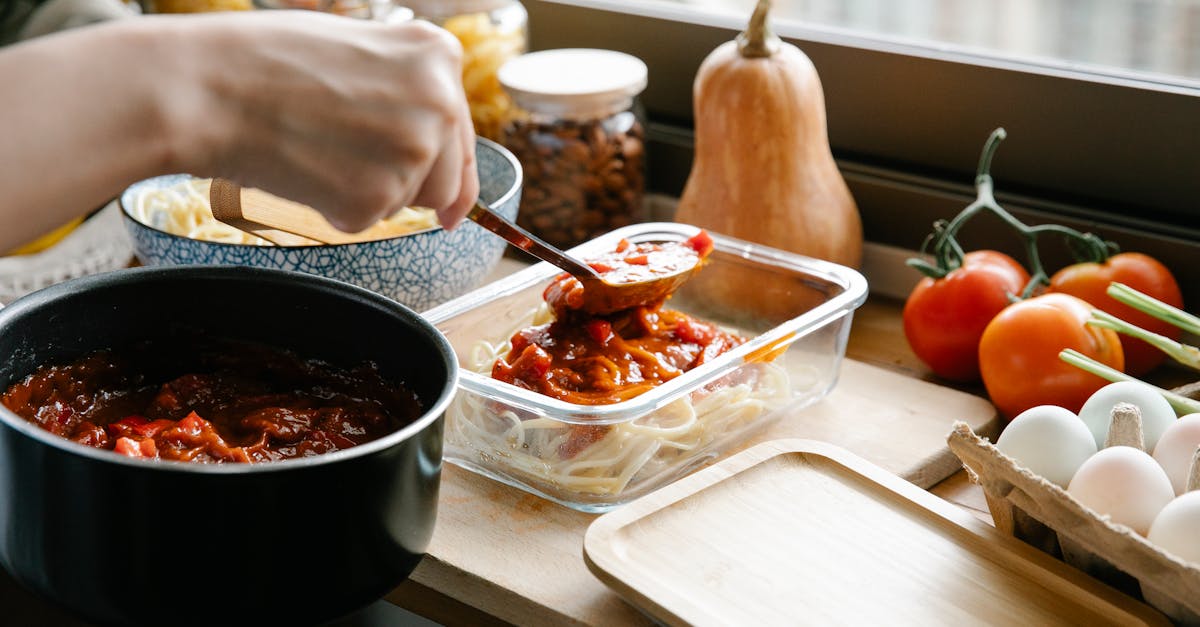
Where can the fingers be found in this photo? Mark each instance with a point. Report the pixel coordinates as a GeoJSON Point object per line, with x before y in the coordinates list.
{"type": "Point", "coordinates": [453, 183]}
{"type": "Point", "coordinates": [453, 214]}
{"type": "Point", "coordinates": [442, 183]}
{"type": "Point", "coordinates": [357, 122]}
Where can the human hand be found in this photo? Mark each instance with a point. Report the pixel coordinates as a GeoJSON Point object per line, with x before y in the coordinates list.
{"type": "Point", "coordinates": [356, 119]}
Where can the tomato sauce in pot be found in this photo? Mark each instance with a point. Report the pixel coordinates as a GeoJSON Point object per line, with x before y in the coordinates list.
{"type": "Point", "coordinates": [212, 401]}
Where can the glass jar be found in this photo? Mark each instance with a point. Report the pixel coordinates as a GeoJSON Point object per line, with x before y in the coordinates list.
{"type": "Point", "coordinates": [491, 32]}
{"type": "Point", "coordinates": [580, 137]}
{"type": "Point", "coordinates": [378, 10]}
{"type": "Point", "coordinates": [195, 6]}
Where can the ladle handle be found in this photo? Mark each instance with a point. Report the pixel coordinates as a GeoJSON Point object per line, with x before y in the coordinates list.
{"type": "Point", "coordinates": [526, 241]}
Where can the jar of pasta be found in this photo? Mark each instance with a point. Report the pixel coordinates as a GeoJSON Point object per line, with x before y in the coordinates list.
{"type": "Point", "coordinates": [362, 9]}
{"type": "Point", "coordinates": [195, 6]}
{"type": "Point", "coordinates": [580, 136]}
{"type": "Point", "coordinates": [491, 33]}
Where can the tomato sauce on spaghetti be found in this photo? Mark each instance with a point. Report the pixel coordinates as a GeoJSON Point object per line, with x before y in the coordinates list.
{"type": "Point", "coordinates": [591, 359]}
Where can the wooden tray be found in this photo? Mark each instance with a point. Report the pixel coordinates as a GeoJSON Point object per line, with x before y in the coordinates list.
{"type": "Point", "coordinates": [798, 531]}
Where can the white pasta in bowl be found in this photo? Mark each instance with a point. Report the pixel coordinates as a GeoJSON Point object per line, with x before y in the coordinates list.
{"type": "Point", "coordinates": [170, 223]}
{"type": "Point", "coordinates": [183, 208]}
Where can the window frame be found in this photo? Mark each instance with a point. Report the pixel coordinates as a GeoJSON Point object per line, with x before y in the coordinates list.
{"type": "Point", "coordinates": [1112, 152]}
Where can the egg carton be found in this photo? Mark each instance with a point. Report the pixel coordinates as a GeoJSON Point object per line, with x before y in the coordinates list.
{"type": "Point", "coordinates": [1042, 514]}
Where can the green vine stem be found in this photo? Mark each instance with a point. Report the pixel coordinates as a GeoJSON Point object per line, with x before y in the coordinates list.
{"type": "Point", "coordinates": [948, 254]}
{"type": "Point", "coordinates": [1181, 404]}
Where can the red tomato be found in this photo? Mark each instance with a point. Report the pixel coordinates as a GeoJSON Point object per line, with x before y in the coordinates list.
{"type": "Point", "coordinates": [1144, 274]}
{"type": "Point", "coordinates": [944, 318]}
{"type": "Point", "coordinates": [1018, 354]}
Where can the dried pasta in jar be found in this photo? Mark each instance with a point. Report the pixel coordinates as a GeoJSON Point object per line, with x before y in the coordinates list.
{"type": "Point", "coordinates": [196, 6]}
{"type": "Point", "coordinates": [491, 33]}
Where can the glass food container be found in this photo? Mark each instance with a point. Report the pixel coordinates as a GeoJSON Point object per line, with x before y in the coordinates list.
{"type": "Point", "coordinates": [491, 32]}
{"type": "Point", "coordinates": [795, 313]}
{"type": "Point", "coordinates": [580, 137]}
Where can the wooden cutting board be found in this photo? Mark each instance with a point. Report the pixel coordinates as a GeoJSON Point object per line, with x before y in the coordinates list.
{"type": "Point", "coordinates": [800, 532]}
{"type": "Point", "coordinates": [520, 558]}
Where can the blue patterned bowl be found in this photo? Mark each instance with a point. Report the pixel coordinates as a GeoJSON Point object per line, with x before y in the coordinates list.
{"type": "Point", "coordinates": [419, 270]}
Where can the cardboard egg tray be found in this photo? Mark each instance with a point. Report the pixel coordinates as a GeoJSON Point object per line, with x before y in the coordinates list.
{"type": "Point", "coordinates": [1043, 515]}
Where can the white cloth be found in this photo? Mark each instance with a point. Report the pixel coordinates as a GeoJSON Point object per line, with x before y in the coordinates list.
{"type": "Point", "coordinates": [99, 244]}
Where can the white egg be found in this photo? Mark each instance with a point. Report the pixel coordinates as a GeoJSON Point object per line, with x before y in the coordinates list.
{"type": "Point", "coordinates": [1156, 412]}
{"type": "Point", "coordinates": [1049, 440]}
{"type": "Point", "coordinates": [1177, 528]}
{"type": "Point", "coordinates": [1175, 449]}
{"type": "Point", "coordinates": [1125, 484]}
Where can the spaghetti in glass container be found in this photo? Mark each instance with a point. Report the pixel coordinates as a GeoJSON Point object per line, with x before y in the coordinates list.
{"type": "Point", "coordinates": [609, 439]}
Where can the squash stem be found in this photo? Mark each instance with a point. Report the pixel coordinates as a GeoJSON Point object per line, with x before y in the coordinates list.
{"type": "Point", "coordinates": [757, 41]}
{"type": "Point", "coordinates": [1181, 404]}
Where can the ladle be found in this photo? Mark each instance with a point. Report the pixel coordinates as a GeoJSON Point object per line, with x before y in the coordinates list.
{"type": "Point", "coordinates": [282, 221]}
{"type": "Point", "coordinates": [599, 294]}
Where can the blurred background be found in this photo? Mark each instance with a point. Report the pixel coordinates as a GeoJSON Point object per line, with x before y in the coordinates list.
{"type": "Point", "coordinates": [1145, 36]}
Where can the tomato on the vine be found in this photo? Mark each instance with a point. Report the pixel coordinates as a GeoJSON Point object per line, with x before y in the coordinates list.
{"type": "Point", "coordinates": [944, 318]}
{"type": "Point", "coordinates": [1143, 273]}
{"type": "Point", "coordinates": [1018, 354]}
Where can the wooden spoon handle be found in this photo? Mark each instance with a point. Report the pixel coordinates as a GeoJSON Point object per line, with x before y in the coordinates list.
{"type": "Point", "coordinates": [283, 221]}
{"type": "Point", "coordinates": [225, 198]}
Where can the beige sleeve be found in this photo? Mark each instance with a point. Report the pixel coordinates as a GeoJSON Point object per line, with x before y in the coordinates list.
{"type": "Point", "coordinates": [57, 15]}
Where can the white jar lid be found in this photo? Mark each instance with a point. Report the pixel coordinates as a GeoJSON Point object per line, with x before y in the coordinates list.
{"type": "Point", "coordinates": [574, 82]}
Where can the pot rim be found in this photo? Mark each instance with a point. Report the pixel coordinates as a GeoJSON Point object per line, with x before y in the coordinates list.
{"type": "Point", "coordinates": [25, 304]}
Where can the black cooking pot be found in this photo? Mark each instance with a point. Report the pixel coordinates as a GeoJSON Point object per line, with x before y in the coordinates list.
{"type": "Point", "coordinates": [126, 541]}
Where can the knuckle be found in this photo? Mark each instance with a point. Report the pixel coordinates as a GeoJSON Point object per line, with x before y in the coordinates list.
{"type": "Point", "coordinates": [364, 202]}
{"type": "Point", "coordinates": [436, 38]}
{"type": "Point", "coordinates": [448, 43]}
{"type": "Point", "coordinates": [437, 196]}
{"type": "Point", "coordinates": [416, 154]}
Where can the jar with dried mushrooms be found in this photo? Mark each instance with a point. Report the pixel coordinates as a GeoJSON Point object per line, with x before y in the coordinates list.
{"type": "Point", "coordinates": [580, 137]}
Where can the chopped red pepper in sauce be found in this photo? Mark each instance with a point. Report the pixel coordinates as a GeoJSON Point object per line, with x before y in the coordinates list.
{"type": "Point", "coordinates": [597, 359]}
{"type": "Point", "coordinates": [591, 359]}
{"type": "Point", "coordinates": [212, 401]}
{"type": "Point", "coordinates": [630, 264]}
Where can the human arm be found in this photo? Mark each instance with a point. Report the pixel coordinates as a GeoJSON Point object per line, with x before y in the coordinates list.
{"type": "Point", "coordinates": [354, 118]}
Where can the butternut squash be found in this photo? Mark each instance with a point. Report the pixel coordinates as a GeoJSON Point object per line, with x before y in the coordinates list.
{"type": "Point", "coordinates": [763, 170]}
